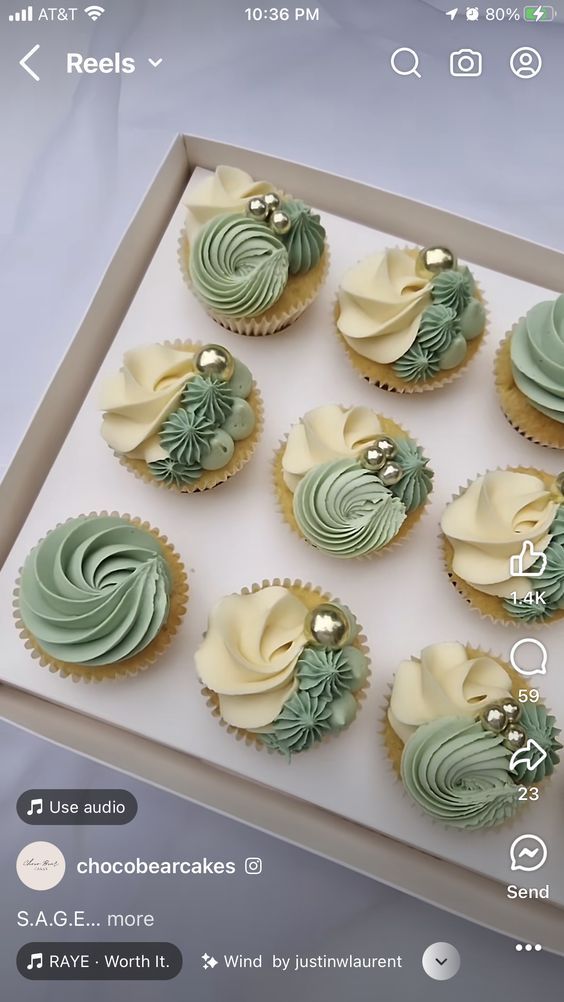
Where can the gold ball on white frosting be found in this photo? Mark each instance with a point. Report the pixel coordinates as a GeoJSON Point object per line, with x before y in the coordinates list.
{"type": "Point", "coordinates": [372, 458]}
{"type": "Point", "coordinates": [215, 361]}
{"type": "Point", "coordinates": [280, 222]}
{"type": "Point", "coordinates": [257, 208]}
{"type": "Point", "coordinates": [328, 626]}
{"type": "Point", "coordinates": [272, 201]}
{"type": "Point", "coordinates": [432, 260]}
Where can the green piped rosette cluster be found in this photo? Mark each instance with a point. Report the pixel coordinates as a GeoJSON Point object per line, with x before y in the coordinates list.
{"type": "Point", "coordinates": [462, 772]}
{"type": "Point", "coordinates": [200, 435]}
{"type": "Point", "coordinates": [242, 263]}
{"type": "Point", "coordinates": [455, 317]}
{"type": "Point", "coordinates": [356, 507]}
{"type": "Point", "coordinates": [328, 682]}
{"type": "Point", "coordinates": [547, 579]}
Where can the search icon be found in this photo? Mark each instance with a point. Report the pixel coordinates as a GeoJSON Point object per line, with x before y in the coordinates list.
{"type": "Point", "coordinates": [411, 69]}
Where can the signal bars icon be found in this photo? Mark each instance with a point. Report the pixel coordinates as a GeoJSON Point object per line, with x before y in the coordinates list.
{"type": "Point", "coordinates": [25, 14]}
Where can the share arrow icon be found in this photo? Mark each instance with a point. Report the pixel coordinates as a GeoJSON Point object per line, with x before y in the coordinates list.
{"type": "Point", "coordinates": [452, 13]}
{"type": "Point", "coordinates": [531, 754]}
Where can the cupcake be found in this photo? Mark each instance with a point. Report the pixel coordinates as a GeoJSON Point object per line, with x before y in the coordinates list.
{"type": "Point", "coordinates": [350, 481]}
{"type": "Point", "coordinates": [100, 597]}
{"type": "Point", "coordinates": [458, 736]}
{"type": "Point", "coordinates": [254, 257]}
{"type": "Point", "coordinates": [182, 416]}
{"type": "Point", "coordinates": [410, 320]}
{"type": "Point", "coordinates": [283, 666]}
{"type": "Point", "coordinates": [504, 545]}
{"type": "Point", "coordinates": [529, 372]}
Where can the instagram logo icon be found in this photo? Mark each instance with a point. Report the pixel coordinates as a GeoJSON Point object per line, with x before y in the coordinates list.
{"type": "Point", "coordinates": [253, 865]}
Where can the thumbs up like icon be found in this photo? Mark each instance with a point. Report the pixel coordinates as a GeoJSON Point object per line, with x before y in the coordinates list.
{"type": "Point", "coordinates": [528, 556]}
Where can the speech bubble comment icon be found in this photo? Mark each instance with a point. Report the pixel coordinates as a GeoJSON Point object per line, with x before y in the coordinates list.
{"type": "Point", "coordinates": [528, 853]}
{"type": "Point", "coordinates": [529, 662]}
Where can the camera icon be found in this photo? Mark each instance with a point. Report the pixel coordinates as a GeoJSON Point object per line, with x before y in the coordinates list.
{"type": "Point", "coordinates": [466, 63]}
{"type": "Point", "coordinates": [253, 865]}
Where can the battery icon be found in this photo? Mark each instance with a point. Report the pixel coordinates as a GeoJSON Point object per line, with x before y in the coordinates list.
{"type": "Point", "coordinates": [538, 12]}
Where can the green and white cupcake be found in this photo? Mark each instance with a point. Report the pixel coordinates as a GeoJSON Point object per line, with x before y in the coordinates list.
{"type": "Point", "coordinates": [410, 320]}
{"type": "Point", "coordinates": [284, 666]}
{"type": "Point", "coordinates": [350, 481]}
{"type": "Point", "coordinates": [183, 416]}
{"type": "Point", "coordinates": [460, 739]}
{"type": "Point", "coordinates": [254, 257]}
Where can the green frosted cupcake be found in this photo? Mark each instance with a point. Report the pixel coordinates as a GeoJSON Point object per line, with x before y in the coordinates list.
{"type": "Point", "coordinates": [254, 257]}
{"type": "Point", "coordinates": [100, 597]}
{"type": "Point", "coordinates": [461, 739]}
{"type": "Point", "coordinates": [351, 482]}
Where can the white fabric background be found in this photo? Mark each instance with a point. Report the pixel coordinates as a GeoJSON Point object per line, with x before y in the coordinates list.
{"type": "Point", "coordinates": [77, 155]}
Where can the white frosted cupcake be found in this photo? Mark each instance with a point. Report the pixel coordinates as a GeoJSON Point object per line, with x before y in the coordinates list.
{"type": "Point", "coordinates": [503, 539]}
{"type": "Point", "coordinates": [284, 666]}
{"type": "Point", "coordinates": [182, 416]}
{"type": "Point", "coordinates": [410, 320]}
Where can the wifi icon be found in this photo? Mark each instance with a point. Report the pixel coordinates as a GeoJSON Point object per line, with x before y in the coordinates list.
{"type": "Point", "coordinates": [94, 12]}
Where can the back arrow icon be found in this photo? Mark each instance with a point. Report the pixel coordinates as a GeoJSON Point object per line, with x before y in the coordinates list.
{"type": "Point", "coordinates": [24, 59]}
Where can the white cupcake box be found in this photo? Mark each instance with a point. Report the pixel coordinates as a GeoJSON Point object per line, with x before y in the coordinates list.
{"type": "Point", "coordinates": [339, 800]}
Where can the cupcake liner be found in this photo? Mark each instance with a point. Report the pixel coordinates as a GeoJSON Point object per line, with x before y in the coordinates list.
{"type": "Point", "coordinates": [243, 451]}
{"type": "Point", "coordinates": [285, 498]}
{"type": "Point", "coordinates": [491, 606]}
{"type": "Point", "coordinates": [384, 376]}
{"type": "Point", "coordinates": [522, 416]}
{"type": "Point", "coordinates": [311, 596]}
{"type": "Point", "coordinates": [143, 659]}
{"type": "Point", "coordinates": [299, 293]}
{"type": "Point", "coordinates": [394, 746]}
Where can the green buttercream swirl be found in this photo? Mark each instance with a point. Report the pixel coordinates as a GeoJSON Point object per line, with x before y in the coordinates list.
{"type": "Point", "coordinates": [305, 240]}
{"type": "Point", "coordinates": [458, 774]}
{"type": "Point", "coordinates": [345, 510]}
{"type": "Point", "coordinates": [303, 720]}
{"type": "Point", "coordinates": [238, 266]}
{"type": "Point", "coordinates": [172, 472]}
{"type": "Point", "coordinates": [211, 399]}
{"type": "Point", "coordinates": [539, 725]}
{"type": "Point", "coordinates": [416, 365]}
{"type": "Point", "coordinates": [417, 481]}
{"type": "Point", "coordinates": [453, 288]}
{"type": "Point", "coordinates": [323, 672]}
{"type": "Point", "coordinates": [95, 591]}
{"type": "Point", "coordinates": [437, 330]}
{"type": "Point", "coordinates": [186, 436]}
{"type": "Point", "coordinates": [537, 358]}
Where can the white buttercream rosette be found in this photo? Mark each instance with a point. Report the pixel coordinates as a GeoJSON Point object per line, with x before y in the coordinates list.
{"type": "Point", "coordinates": [247, 659]}
{"type": "Point", "coordinates": [483, 530]}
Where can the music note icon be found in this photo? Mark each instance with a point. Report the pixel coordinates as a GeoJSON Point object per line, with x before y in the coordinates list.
{"type": "Point", "coordinates": [38, 803]}
{"type": "Point", "coordinates": [35, 962]}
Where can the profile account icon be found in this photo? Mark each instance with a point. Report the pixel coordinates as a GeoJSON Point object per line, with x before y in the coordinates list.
{"type": "Point", "coordinates": [526, 62]}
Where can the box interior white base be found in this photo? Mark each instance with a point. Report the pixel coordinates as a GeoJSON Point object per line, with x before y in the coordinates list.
{"type": "Point", "coordinates": [234, 536]}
